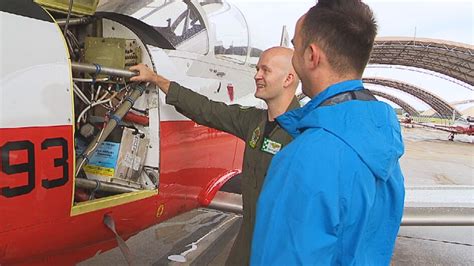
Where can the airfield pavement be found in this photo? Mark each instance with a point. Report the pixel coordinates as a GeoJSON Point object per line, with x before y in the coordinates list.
{"type": "Point", "coordinates": [430, 162]}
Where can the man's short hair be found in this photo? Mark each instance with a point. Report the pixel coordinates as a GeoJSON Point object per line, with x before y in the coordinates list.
{"type": "Point", "coordinates": [344, 29]}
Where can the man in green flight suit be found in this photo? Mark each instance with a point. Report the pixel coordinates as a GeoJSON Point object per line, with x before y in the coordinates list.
{"type": "Point", "coordinates": [276, 83]}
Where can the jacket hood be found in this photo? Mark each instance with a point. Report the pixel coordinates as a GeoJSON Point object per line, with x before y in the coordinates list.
{"type": "Point", "coordinates": [370, 128]}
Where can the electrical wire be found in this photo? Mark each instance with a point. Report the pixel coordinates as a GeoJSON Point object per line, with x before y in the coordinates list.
{"type": "Point", "coordinates": [68, 16]}
{"type": "Point", "coordinates": [69, 46]}
{"type": "Point", "coordinates": [80, 94]}
{"type": "Point", "coordinates": [74, 39]}
{"type": "Point", "coordinates": [92, 92]}
{"type": "Point", "coordinates": [72, 43]}
{"type": "Point", "coordinates": [92, 104]}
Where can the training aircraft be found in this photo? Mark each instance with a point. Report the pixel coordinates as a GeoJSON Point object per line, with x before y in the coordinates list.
{"type": "Point", "coordinates": [452, 130]}
{"type": "Point", "coordinates": [460, 126]}
{"type": "Point", "coordinates": [89, 159]}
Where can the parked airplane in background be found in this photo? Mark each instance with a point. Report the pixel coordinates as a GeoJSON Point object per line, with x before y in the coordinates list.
{"type": "Point", "coordinates": [86, 156]}
{"type": "Point", "coordinates": [453, 130]}
{"type": "Point", "coordinates": [461, 127]}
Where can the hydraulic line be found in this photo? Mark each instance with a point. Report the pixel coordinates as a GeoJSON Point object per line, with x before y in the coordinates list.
{"type": "Point", "coordinates": [138, 119]}
{"type": "Point", "coordinates": [74, 21]}
{"type": "Point", "coordinates": [115, 119]}
{"type": "Point", "coordinates": [98, 69]}
{"type": "Point", "coordinates": [103, 186]}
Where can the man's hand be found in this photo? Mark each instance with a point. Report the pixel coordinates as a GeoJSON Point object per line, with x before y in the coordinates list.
{"type": "Point", "coordinates": [146, 74]}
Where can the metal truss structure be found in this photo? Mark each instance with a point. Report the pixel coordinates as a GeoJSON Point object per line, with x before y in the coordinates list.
{"type": "Point", "coordinates": [455, 60]}
{"type": "Point", "coordinates": [404, 105]}
{"type": "Point", "coordinates": [439, 105]}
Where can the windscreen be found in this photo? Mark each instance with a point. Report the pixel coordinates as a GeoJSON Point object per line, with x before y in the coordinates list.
{"type": "Point", "coordinates": [178, 21]}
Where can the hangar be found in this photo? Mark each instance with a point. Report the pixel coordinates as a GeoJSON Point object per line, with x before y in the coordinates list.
{"type": "Point", "coordinates": [439, 105]}
{"type": "Point", "coordinates": [451, 59]}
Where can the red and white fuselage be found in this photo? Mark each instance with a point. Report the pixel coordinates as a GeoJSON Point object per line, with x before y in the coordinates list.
{"type": "Point", "coordinates": [41, 222]}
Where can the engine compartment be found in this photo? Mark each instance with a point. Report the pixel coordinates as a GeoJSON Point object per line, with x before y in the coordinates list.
{"type": "Point", "coordinates": [116, 122]}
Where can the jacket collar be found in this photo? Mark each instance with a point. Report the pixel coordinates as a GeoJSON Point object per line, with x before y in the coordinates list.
{"type": "Point", "coordinates": [290, 120]}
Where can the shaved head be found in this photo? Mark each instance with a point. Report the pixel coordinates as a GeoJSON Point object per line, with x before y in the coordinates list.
{"type": "Point", "coordinates": [276, 80]}
{"type": "Point", "coordinates": [280, 57]}
{"type": "Point", "coordinates": [279, 51]}
{"type": "Point", "coordinates": [275, 77]}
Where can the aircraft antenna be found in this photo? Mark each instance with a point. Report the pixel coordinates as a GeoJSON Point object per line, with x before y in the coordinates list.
{"type": "Point", "coordinates": [285, 39]}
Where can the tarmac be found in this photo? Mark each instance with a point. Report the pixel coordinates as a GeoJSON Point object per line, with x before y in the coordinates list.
{"type": "Point", "coordinates": [437, 172]}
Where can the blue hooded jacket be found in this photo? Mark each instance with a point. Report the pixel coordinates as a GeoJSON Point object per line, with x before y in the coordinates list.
{"type": "Point", "coordinates": [334, 195]}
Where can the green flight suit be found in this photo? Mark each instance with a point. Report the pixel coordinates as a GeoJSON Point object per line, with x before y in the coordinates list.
{"type": "Point", "coordinates": [247, 123]}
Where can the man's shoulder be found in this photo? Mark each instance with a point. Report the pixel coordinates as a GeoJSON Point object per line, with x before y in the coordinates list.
{"type": "Point", "coordinates": [251, 112]}
{"type": "Point", "coordinates": [316, 136]}
{"type": "Point", "coordinates": [248, 109]}
{"type": "Point", "coordinates": [245, 108]}
{"type": "Point", "coordinates": [317, 140]}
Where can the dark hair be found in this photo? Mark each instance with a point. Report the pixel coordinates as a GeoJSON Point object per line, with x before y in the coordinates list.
{"type": "Point", "coordinates": [344, 29]}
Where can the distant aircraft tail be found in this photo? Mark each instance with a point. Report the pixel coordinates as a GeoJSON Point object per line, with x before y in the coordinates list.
{"type": "Point", "coordinates": [285, 39]}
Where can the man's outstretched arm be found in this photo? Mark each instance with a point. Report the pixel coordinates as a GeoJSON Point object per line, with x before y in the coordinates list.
{"type": "Point", "coordinates": [229, 118]}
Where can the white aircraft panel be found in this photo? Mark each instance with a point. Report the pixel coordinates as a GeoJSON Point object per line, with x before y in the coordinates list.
{"type": "Point", "coordinates": [34, 70]}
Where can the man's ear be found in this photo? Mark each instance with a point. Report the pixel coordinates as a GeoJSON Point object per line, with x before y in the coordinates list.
{"type": "Point", "coordinates": [313, 54]}
{"type": "Point", "coordinates": [290, 78]}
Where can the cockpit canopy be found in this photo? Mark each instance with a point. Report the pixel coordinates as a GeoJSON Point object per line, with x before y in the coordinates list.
{"type": "Point", "coordinates": [202, 27]}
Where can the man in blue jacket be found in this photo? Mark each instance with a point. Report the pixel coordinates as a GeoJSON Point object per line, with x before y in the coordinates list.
{"type": "Point", "coordinates": [333, 196]}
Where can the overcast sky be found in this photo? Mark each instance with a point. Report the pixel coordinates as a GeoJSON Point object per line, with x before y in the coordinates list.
{"type": "Point", "coordinates": [448, 20]}
{"type": "Point", "coordinates": [451, 20]}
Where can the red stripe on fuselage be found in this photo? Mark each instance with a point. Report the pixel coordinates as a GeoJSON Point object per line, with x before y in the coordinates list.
{"type": "Point", "coordinates": [195, 160]}
{"type": "Point", "coordinates": [192, 154]}
{"type": "Point", "coordinates": [33, 151]}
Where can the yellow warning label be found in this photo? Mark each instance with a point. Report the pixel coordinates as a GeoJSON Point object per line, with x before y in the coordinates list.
{"type": "Point", "coordinates": [99, 170]}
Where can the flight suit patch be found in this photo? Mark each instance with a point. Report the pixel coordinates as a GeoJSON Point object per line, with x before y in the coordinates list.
{"type": "Point", "coordinates": [270, 146]}
{"type": "Point", "coordinates": [255, 137]}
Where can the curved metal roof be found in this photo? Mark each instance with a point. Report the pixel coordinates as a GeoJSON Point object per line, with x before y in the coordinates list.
{"type": "Point", "coordinates": [404, 105]}
{"type": "Point", "coordinates": [449, 58]}
{"type": "Point", "coordinates": [439, 105]}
